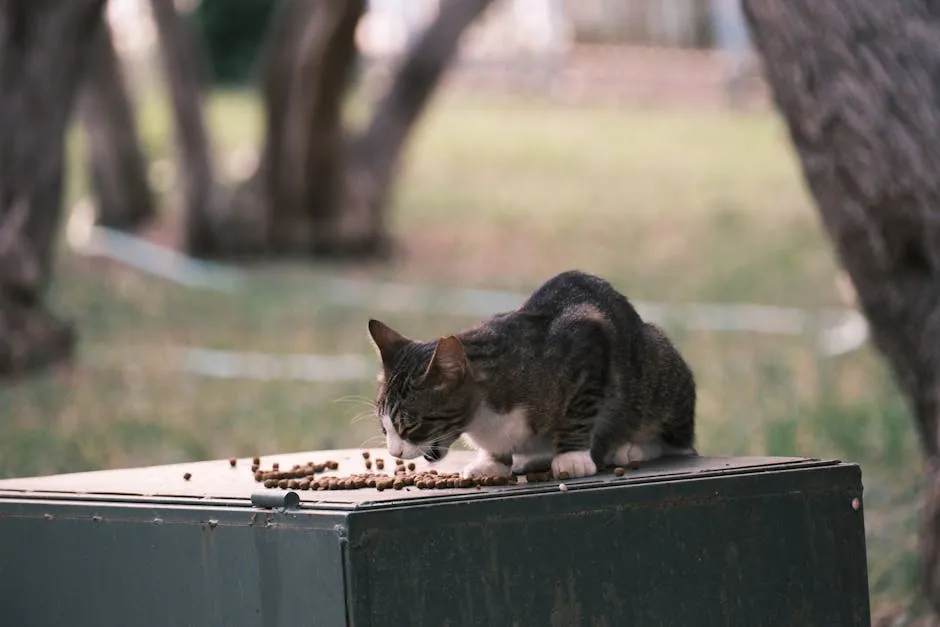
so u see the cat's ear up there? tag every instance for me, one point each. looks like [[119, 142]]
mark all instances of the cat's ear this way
[[448, 363], [386, 340]]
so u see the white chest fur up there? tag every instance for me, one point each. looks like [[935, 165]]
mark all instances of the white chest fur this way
[[499, 434]]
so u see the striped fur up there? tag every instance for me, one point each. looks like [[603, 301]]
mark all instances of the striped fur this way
[[572, 378]]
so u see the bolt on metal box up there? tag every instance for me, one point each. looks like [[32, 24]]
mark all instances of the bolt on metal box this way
[[683, 541]]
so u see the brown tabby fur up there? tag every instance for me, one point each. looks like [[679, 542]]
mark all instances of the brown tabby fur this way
[[574, 371]]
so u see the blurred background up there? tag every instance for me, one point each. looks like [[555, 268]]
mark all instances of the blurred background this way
[[633, 139]]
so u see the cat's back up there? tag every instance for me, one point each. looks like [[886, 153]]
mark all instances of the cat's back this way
[[577, 291]]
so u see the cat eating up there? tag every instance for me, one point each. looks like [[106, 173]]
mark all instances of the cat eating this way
[[573, 380]]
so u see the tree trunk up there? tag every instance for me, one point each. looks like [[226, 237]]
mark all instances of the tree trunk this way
[[202, 202], [314, 194], [857, 82], [306, 79], [375, 156], [118, 169], [43, 48]]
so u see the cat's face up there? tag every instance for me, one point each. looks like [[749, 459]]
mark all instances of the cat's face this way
[[426, 393]]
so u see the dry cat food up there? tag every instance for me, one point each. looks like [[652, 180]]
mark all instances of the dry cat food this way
[[536, 477], [310, 476]]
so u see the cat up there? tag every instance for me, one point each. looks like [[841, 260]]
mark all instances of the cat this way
[[573, 380]]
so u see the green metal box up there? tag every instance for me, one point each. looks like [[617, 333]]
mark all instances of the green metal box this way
[[693, 541]]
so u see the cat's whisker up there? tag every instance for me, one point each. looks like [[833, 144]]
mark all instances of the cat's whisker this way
[[452, 434], [362, 416], [356, 399], [372, 442]]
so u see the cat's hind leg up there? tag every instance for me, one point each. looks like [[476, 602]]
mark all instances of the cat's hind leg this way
[[679, 451], [637, 452], [572, 437], [585, 341], [531, 462]]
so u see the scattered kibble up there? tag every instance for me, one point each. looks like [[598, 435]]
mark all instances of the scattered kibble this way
[[255, 461], [187, 476], [310, 476], [619, 471], [365, 454], [536, 477], [232, 461]]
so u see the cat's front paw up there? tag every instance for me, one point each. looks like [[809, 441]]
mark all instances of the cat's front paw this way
[[485, 466], [574, 464]]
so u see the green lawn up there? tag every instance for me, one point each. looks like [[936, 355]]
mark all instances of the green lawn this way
[[670, 206]]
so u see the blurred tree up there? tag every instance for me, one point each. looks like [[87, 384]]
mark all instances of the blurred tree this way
[[119, 173], [858, 82], [44, 46], [316, 192], [232, 32], [183, 69]]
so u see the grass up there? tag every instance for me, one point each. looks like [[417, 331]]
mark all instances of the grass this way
[[670, 206]]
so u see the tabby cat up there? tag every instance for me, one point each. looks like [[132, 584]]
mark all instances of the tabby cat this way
[[573, 380]]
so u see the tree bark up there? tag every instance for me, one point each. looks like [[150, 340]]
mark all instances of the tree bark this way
[[857, 82], [304, 87], [44, 45], [315, 194], [284, 208], [202, 202], [118, 169], [376, 154]]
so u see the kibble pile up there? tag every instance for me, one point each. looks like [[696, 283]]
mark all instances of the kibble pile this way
[[310, 476]]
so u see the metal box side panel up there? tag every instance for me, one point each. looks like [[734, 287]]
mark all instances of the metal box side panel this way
[[108, 564], [775, 549]]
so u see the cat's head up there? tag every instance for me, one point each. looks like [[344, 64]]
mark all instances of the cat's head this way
[[426, 393]]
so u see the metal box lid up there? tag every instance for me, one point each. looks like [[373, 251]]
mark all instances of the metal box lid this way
[[217, 482]]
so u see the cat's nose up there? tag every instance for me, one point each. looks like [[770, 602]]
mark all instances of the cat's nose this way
[[396, 449]]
